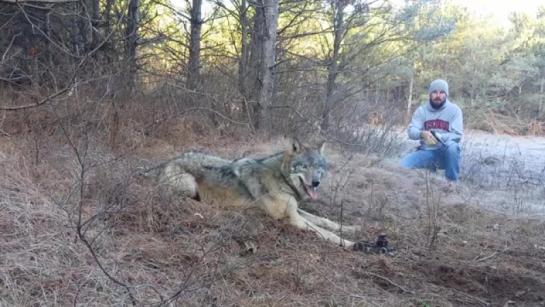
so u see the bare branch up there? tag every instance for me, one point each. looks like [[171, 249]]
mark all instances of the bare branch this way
[[41, 1], [70, 85], [9, 47], [37, 28]]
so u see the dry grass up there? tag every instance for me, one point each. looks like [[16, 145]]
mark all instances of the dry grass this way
[[450, 251], [42, 261]]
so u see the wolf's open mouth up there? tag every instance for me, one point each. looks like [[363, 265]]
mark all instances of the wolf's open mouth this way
[[311, 191]]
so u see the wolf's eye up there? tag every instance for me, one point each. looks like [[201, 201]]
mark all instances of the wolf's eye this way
[[299, 167]]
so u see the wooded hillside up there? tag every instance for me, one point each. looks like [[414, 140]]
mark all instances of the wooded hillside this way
[[96, 94], [274, 66]]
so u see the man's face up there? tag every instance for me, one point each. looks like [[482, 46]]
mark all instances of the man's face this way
[[437, 97]]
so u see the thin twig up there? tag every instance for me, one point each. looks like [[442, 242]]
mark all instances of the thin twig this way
[[217, 113], [79, 224], [477, 259], [390, 282], [64, 49], [39, 103], [70, 85], [483, 302], [9, 47]]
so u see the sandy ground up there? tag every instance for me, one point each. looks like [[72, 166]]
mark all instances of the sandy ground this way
[[508, 170], [529, 151]]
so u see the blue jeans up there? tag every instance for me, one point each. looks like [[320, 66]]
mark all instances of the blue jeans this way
[[446, 157]]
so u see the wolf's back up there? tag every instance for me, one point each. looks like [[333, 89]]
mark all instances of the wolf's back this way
[[182, 173], [198, 164]]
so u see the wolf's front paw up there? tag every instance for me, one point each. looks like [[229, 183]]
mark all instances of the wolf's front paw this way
[[380, 246], [351, 229], [247, 248], [360, 246]]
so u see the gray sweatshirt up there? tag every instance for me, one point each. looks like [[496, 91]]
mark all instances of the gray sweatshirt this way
[[447, 121]]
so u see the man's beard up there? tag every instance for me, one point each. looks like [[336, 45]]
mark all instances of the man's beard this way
[[438, 106]]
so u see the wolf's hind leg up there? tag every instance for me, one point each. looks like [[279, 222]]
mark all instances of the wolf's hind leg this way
[[328, 224], [179, 181]]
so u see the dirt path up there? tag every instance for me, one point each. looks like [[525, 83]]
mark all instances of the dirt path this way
[[529, 151], [506, 172]]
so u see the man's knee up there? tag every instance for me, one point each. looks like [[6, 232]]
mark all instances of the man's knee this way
[[417, 159], [406, 162], [411, 160], [453, 149]]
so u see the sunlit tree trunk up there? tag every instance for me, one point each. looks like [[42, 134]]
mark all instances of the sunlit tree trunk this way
[[243, 60], [270, 8], [131, 41], [410, 99], [541, 94], [194, 62], [254, 75], [94, 13], [333, 65], [108, 16]]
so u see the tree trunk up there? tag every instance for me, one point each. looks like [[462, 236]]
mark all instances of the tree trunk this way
[[77, 33], [108, 17], [269, 60], [132, 41], [194, 62], [410, 99], [94, 14], [48, 32], [541, 93], [243, 60], [254, 74], [333, 66]]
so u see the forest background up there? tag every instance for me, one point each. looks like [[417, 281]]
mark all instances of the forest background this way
[[93, 92], [276, 67]]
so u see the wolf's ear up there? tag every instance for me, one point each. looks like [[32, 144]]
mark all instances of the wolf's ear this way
[[321, 148], [289, 154], [296, 146]]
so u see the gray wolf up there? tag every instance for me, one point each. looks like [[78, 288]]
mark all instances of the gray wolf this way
[[276, 184]]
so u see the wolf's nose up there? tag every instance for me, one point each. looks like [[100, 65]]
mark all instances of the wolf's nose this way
[[315, 184]]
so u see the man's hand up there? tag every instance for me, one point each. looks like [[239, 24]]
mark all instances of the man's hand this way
[[428, 137]]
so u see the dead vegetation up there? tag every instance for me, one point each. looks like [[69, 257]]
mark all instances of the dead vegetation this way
[[79, 226]]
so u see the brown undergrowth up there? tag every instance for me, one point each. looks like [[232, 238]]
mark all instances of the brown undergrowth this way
[[449, 250]]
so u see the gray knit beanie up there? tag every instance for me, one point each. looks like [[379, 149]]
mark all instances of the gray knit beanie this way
[[438, 85]]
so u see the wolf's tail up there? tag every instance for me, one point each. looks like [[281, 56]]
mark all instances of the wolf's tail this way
[[150, 172]]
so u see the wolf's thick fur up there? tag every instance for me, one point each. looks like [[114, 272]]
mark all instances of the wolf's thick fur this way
[[275, 183]]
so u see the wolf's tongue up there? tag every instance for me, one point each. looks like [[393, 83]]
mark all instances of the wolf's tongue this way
[[311, 192]]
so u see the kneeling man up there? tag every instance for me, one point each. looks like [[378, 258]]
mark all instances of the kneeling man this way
[[438, 124]]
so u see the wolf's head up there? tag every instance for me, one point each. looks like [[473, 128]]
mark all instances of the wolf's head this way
[[305, 166]]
